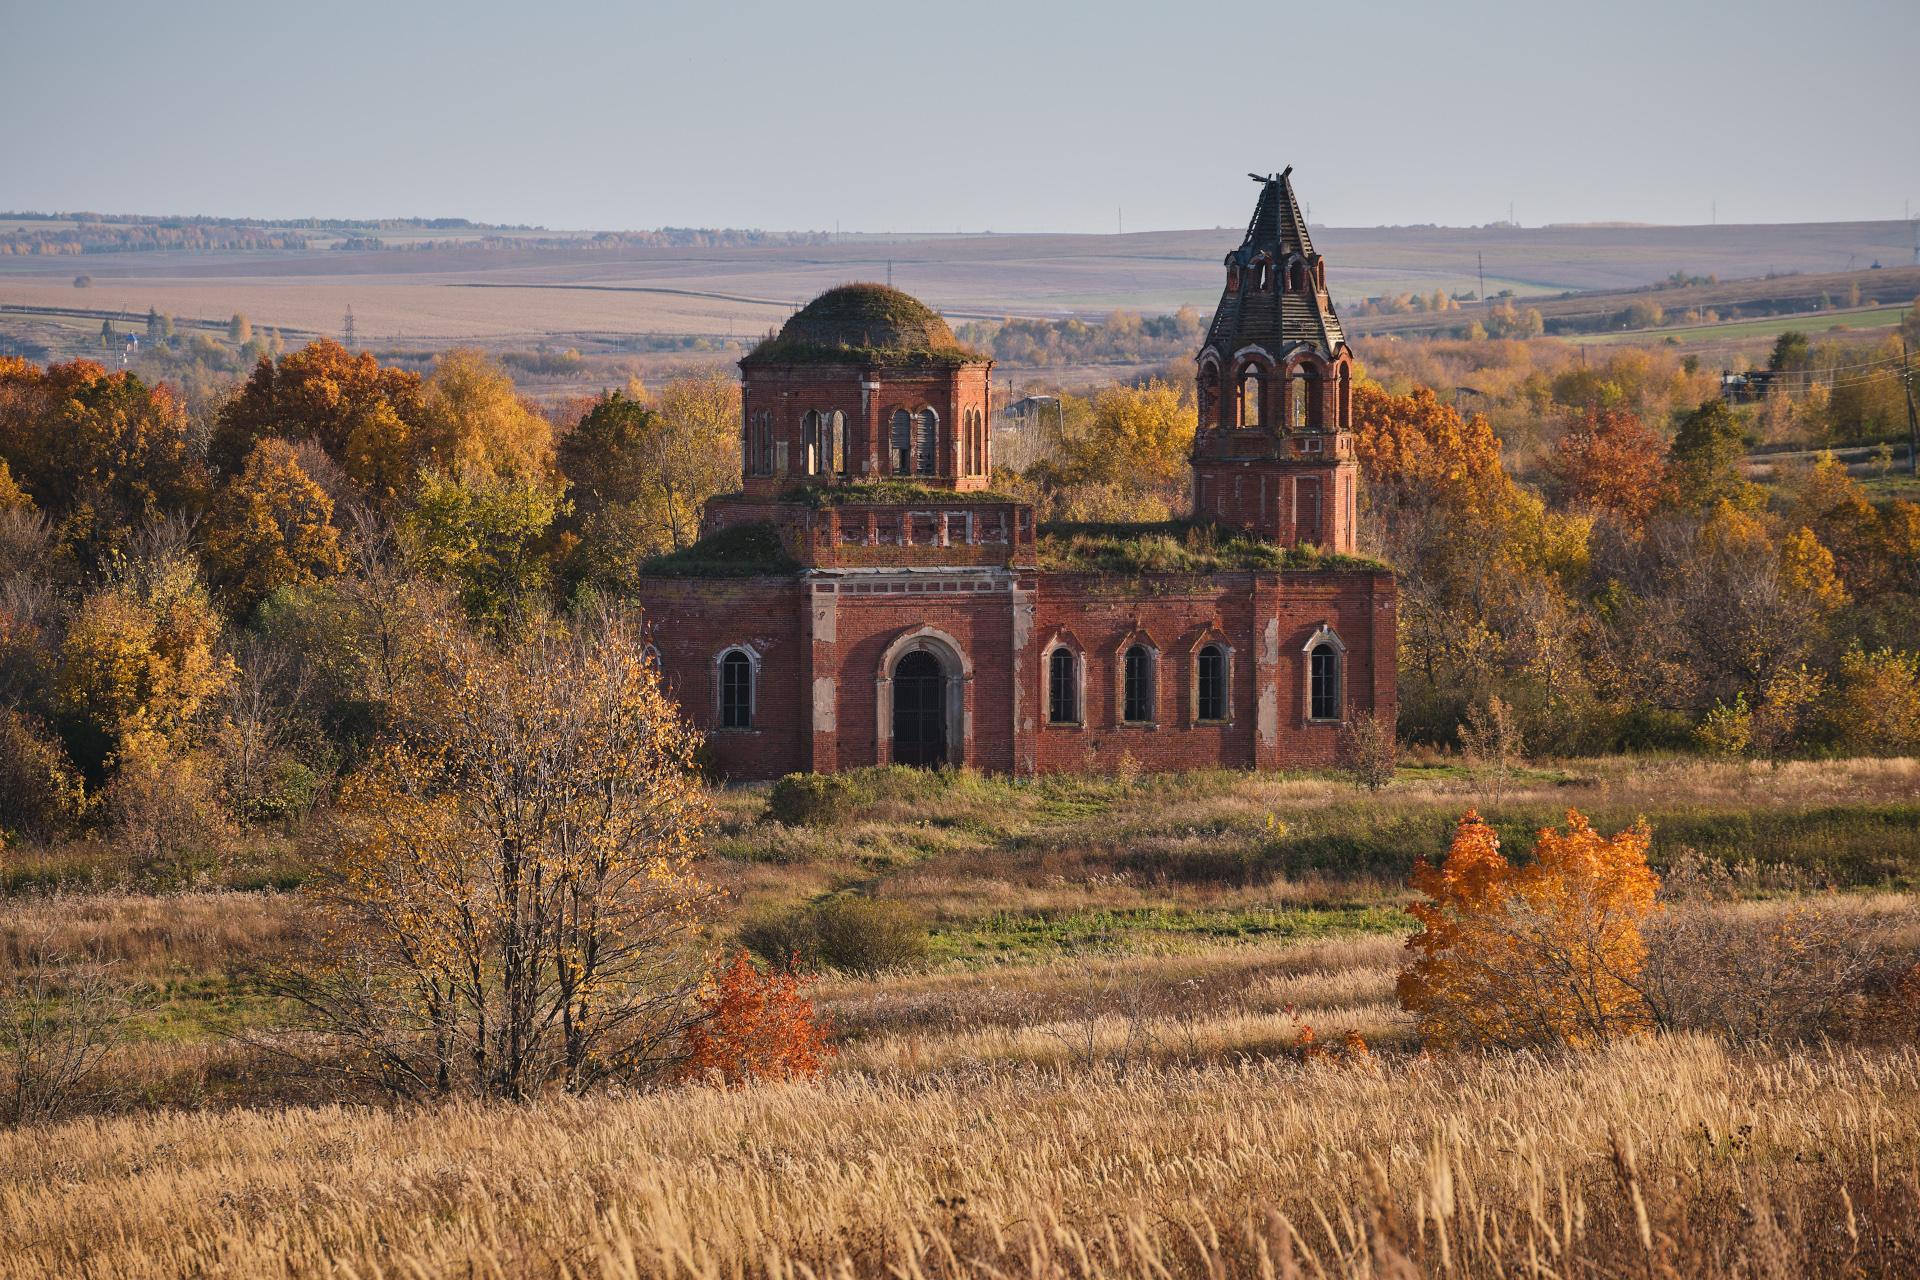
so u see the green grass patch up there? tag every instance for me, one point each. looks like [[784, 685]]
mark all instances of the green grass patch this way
[[1039, 935]]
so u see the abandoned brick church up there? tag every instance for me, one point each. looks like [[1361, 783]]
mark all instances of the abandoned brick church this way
[[866, 599]]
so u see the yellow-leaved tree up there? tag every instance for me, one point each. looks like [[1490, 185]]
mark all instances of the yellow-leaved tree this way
[[1546, 954], [271, 527], [512, 907]]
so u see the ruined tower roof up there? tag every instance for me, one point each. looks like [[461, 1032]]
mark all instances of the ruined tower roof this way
[[864, 324], [1277, 316]]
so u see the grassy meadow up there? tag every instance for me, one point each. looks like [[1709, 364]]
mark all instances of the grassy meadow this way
[[1092, 1062]]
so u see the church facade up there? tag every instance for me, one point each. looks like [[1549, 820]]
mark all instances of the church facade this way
[[866, 599]]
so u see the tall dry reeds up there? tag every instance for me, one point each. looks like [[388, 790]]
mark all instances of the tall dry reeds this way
[[1674, 1158]]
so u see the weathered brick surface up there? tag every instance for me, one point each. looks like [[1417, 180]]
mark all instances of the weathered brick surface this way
[[826, 644], [960, 580]]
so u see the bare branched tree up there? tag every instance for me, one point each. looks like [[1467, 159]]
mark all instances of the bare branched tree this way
[[512, 906], [59, 1019], [1491, 739]]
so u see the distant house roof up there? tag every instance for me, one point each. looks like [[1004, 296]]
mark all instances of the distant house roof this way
[[1026, 406]]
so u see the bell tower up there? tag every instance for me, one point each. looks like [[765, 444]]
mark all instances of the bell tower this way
[[1273, 453]]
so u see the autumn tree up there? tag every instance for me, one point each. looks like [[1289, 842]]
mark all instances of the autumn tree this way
[[482, 533], [363, 415], [754, 1026], [102, 453], [1878, 707], [641, 474], [472, 421], [1609, 460], [139, 666], [1122, 456], [271, 527], [1547, 954], [512, 905]]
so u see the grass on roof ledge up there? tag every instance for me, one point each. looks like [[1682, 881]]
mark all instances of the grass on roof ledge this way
[[779, 350], [744, 551], [892, 491], [1177, 546]]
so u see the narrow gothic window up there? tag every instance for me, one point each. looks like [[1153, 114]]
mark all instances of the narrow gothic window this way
[[810, 442], [902, 442], [837, 443], [926, 442], [1209, 395], [1063, 700], [736, 690], [1210, 697], [1325, 682], [1302, 394], [1137, 702], [1252, 387]]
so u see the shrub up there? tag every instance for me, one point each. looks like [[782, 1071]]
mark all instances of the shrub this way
[[812, 800], [59, 1017], [857, 934], [1756, 971], [1549, 954], [755, 1026], [39, 791], [165, 814], [1369, 750]]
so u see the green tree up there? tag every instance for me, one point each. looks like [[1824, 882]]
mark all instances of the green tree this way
[[483, 534], [1706, 455]]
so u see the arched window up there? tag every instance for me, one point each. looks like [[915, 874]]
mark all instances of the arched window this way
[[1233, 277], [1346, 401], [650, 658], [1303, 387], [901, 443], [1137, 694], [811, 443], [1063, 687], [1297, 276], [836, 443], [1253, 386], [1210, 683], [926, 443], [1263, 274], [1324, 681], [736, 690], [762, 450], [1209, 393]]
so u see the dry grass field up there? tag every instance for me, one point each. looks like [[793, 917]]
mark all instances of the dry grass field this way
[[1678, 1158], [1095, 1066]]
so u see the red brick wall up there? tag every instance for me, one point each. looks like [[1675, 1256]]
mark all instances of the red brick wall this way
[[868, 397], [821, 644]]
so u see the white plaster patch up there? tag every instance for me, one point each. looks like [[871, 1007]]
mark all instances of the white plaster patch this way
[[1269, 718], [1270, 643], [825, 704]]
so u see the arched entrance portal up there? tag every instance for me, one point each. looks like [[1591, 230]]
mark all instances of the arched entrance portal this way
[[919, 711]]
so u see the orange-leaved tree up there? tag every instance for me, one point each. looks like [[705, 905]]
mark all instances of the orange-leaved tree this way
[[1546, 954], [755, 1026]]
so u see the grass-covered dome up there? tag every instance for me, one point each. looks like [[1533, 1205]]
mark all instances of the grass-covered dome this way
[[864, 323]]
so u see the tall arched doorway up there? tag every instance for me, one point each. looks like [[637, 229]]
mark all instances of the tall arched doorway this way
[[920, 711]]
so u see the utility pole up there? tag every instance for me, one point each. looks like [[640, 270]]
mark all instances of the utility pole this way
[[1913, 422], [1481, 259], [346, 329]]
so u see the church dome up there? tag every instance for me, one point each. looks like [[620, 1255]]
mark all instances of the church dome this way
[[866, 324]]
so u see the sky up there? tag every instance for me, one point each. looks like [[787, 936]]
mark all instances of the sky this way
[[908, 116]]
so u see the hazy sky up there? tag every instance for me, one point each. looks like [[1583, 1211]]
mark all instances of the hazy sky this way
[[1006, 116]]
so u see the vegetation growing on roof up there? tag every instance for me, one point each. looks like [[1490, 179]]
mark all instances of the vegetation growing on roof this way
[[744, 551], [1176, 546], [860, 323], [894, 491]]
